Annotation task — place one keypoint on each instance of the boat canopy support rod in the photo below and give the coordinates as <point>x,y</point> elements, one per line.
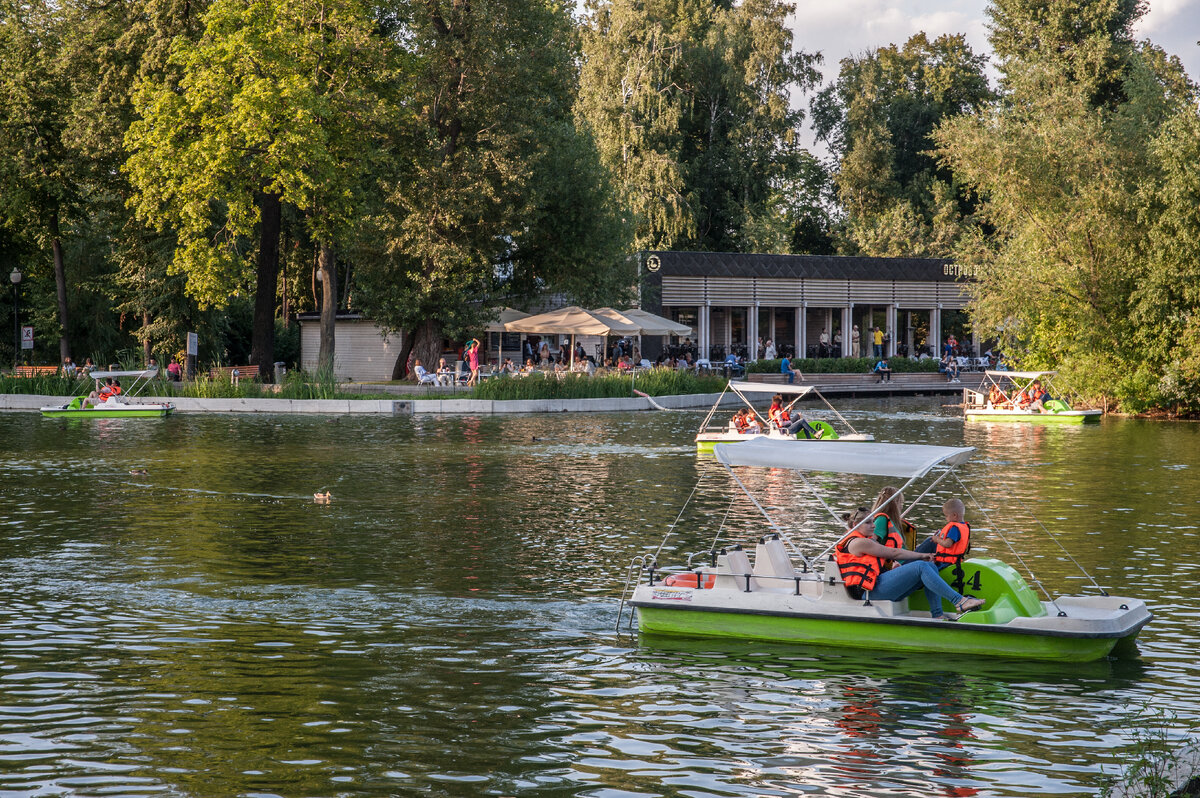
<point>770,521</point>
<point>1057,542</point>
<point>1020,559</point>
<point>874,510</point>
<point>713,409</point>
<point>835,411</point>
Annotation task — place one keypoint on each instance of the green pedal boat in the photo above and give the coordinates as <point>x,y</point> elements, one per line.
<point>97,403</point>
<point>1005,397</point>
<point>713,431</point>
<point>783,596</point>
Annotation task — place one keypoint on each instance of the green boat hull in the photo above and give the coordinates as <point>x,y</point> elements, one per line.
<point>706,446</point>
<point>950,638</point>
<point>96,413</point>
<point>1036,418</point>
<point>994,631</point>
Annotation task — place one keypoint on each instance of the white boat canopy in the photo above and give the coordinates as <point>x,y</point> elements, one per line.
<point>144,375</point>
<point>1021,375</point>
<point>653,320</point>
<point>906,460</point>
<point>766,387</point>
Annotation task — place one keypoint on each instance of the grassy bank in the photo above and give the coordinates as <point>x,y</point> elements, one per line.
<point>297,385</point>
<point>843,365</point>
<point>580,386</point>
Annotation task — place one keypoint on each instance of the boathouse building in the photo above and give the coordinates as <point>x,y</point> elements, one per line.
<point>733,299</point>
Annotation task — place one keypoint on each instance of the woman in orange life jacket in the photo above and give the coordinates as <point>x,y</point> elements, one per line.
<point>951,544</point>
<point>870,569</point>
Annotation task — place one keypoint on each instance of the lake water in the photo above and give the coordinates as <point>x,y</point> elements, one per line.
<point>447,626</point>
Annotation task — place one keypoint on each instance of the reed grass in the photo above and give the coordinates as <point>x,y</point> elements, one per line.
<point>658,382</point>
<point>843,365</point>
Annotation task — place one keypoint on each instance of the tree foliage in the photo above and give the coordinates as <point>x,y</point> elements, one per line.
<point>690,103</point>
<point>1085,268</point>
<point>878,118</point>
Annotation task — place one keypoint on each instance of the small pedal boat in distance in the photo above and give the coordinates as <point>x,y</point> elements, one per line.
<point>711,433</point>
<point>783,596</point>
<point>1012,386</point>
<point>120,406</point>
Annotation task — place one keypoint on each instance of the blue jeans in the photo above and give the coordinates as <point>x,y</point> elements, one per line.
<point>904,580</point>
<point>800,423</point>
<point>878,350</point>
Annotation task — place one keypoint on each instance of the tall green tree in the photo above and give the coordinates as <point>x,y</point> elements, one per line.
<point>1089,223</point>
<point>278,102</point>
<point>877,118</point>
<point>494,194</point>
<point>41,171</point>
<point>690,104</point>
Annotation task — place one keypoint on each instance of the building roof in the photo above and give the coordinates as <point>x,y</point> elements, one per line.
<point>821,267</point>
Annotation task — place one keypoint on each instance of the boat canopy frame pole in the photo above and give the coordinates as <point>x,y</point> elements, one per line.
<point>712,410</point>
<point>834,409</point>
<point>766,422</point>
<point>874,510</point>
<point>675,523</point>
<point>770,521</point>
<point>1020,559</point>
<point>1070,557</point>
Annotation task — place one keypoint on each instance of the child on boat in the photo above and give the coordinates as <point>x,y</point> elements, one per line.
<point>950,545</point>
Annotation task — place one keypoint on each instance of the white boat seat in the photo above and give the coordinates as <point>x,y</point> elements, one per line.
<point>771,559</point>
<point>732,567</point>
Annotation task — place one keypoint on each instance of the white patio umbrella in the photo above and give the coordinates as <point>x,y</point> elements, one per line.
<point>572,321</point>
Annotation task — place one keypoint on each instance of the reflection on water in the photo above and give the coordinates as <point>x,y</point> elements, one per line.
<point>446,624</point>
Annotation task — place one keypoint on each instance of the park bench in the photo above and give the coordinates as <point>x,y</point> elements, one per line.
<point>35,371</point>
<point>233,373</point>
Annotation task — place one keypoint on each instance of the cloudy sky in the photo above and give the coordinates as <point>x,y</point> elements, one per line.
<point>839,28</point>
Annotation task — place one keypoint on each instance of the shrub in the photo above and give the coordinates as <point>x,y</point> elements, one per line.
<point>843,365</point>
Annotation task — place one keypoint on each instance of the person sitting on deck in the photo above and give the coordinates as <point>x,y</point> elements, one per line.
<point>949,367</point>
<point>870,567</point>
<point>785,368</point>
<point>883,370</point>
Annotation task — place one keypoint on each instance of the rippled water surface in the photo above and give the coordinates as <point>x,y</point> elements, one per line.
<point>447,625</point>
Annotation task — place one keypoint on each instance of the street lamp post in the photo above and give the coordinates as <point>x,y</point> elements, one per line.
<point>15,278</point>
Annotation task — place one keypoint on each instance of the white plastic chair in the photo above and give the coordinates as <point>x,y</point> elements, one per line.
<point>424,377</point>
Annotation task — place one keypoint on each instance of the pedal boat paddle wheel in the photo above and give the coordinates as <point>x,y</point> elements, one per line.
<point>781,595</point>
<point>123,405</point>
<point>713,432</point>
<point>1011,385</point>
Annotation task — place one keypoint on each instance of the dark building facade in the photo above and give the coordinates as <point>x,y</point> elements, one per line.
<point>806,304</point>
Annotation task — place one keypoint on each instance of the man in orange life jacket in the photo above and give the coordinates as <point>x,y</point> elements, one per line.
<point>869,569</point>
<point>951,544</point>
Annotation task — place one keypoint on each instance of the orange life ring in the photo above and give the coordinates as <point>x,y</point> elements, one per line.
<point>689,580</point>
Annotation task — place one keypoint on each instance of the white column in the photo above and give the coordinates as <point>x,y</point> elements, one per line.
<point>847,320</point>
<point>801,331</point>
<point>752,332</point>
<point>771,328</point>
<point>908,334</point>
<point>890,349</point>
<point>705,323</point>
<point>935,330</point>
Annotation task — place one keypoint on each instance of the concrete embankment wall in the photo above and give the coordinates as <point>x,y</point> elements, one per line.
<point>473,407</point>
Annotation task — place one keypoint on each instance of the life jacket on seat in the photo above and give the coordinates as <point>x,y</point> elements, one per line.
<point>954,553</point>
<point>860,572</point>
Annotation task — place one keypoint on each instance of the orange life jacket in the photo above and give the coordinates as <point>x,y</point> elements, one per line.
<point>105,392</point>
<point>862,570</point>
<point>954,553</point>
<point>116,389</point>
